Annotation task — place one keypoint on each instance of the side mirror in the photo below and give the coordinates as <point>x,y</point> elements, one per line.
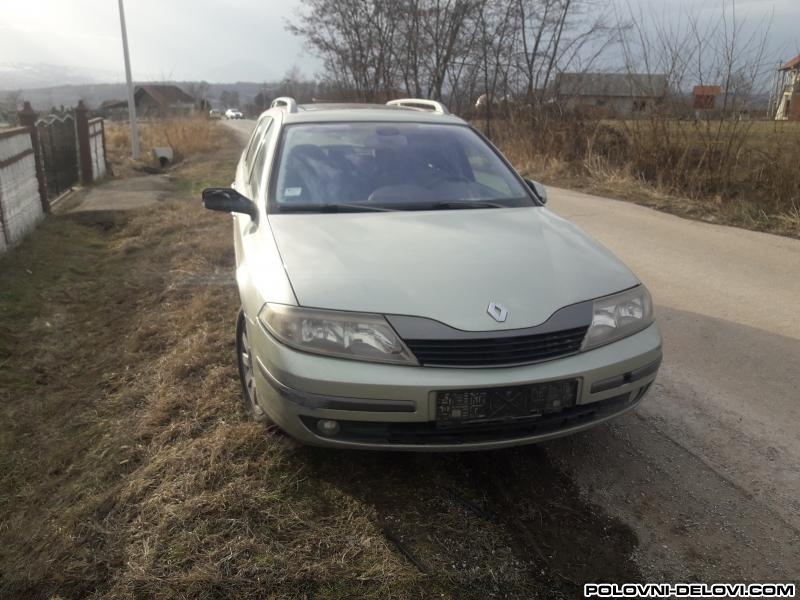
<point>538,189</point>
<point>228,200</point>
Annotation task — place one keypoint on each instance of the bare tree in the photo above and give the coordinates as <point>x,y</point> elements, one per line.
<point>9,106</point>
<point>356,41</point>
<point>725,52</point>
<point>229,98</point>
<point>199,91</point>
<point>497,22</point>
<point>447,48</point>
<point>442,24</point>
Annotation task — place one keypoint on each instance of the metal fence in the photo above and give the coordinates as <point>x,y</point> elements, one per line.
<point>97,146</point>
<point>59,152</point>
<point>42,160</point>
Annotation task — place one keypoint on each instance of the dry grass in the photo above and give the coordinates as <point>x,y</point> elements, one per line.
<point>129,470</point>
<point>187,136</point>
<point>127,466</point>
<point>738,173</point>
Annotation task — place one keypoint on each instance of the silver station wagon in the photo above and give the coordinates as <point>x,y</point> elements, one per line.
<point>404,288</point>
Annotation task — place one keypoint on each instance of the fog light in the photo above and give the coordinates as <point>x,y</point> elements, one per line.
<point>328,426</point>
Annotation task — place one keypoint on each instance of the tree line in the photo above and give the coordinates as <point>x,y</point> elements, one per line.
<point>452,50</point>
<point>460,51</point>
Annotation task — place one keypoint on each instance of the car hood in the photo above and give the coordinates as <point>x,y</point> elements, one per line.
<point>446,265</point>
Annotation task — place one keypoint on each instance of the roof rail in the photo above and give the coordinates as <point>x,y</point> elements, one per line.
<point>420,104</point>
<point>289,103</point>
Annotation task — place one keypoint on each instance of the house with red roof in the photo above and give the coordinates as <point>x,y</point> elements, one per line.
<point>704,97</point>
<point>788,96</point>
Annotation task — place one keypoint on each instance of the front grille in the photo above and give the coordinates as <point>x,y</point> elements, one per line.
<point>498,351</point>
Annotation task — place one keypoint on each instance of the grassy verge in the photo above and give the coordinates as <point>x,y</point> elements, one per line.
<point>129,470</point>
<point>188,137</point>
<point>734,173</point>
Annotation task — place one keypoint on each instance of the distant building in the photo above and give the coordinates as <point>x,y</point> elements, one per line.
<point>151,100</point>
<point>114,110</point>
<point>705,96</point>
<point>618,94</point>
<point>155,100</point>
<point>788,92</point>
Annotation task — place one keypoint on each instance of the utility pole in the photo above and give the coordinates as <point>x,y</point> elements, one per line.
<point>131,105</point>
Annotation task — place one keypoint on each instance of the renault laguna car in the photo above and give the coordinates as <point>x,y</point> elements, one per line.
<point>403,288</point>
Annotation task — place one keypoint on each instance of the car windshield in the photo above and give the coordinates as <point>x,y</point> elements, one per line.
<point>403,166</point>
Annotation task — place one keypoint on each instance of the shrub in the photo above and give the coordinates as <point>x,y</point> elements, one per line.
<point>747,169</point>
<point>185,135</point>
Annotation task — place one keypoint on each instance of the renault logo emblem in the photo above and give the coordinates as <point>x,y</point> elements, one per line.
<point>497,311</point>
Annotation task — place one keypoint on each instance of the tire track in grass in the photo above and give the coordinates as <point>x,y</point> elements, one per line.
<point>501,524</point>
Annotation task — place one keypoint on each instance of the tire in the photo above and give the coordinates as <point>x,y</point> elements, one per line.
<point>244,358</point>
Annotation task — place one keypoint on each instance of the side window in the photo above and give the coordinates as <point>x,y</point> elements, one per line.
<point>484,169</point>
<point>259,161</point>
<point>255,139</point>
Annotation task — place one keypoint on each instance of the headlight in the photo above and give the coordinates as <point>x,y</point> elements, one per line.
<point>357,336</point>
<point>619,316</point>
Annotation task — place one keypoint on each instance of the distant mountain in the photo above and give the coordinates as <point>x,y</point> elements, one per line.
<point>26,76</point>
<point>92,94</point>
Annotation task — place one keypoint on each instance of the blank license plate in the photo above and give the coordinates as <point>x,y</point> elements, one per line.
<point>456,407</point>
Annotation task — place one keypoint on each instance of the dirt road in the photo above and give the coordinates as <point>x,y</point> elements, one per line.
<point>707,471</point>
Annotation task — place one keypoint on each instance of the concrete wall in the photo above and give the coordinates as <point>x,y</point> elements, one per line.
<point>20,205</point>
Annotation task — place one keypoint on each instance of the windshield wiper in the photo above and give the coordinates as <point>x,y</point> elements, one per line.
<point>326,208</point>
<point>462,204</point>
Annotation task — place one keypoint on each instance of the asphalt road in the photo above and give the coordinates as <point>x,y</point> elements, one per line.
<point>707,470</point>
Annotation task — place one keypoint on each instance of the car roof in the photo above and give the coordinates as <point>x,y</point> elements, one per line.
<point>340,112</point>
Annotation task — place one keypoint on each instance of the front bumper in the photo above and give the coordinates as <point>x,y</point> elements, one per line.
<point>393,407</point>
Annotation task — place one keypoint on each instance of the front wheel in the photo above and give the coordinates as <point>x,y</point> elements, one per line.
<point>247,373</point>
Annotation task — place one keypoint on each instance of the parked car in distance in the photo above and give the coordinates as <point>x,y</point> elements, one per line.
<point>214,114</point>
<point>403,288</point>
<point>233,113</point>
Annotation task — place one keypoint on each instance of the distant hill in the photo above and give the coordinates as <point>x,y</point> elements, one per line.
<point>18,75</point>
<point>68,95</point>
<point>47,85</point>
<point>93,94</point>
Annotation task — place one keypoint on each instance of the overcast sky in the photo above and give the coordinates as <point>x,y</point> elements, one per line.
<point>231,40</point>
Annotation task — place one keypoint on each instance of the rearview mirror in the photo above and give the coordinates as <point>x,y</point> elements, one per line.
<point>538,189</point>
<point>228,200</point>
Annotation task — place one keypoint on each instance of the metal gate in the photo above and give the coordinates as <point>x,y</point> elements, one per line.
<point>59,153</point>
